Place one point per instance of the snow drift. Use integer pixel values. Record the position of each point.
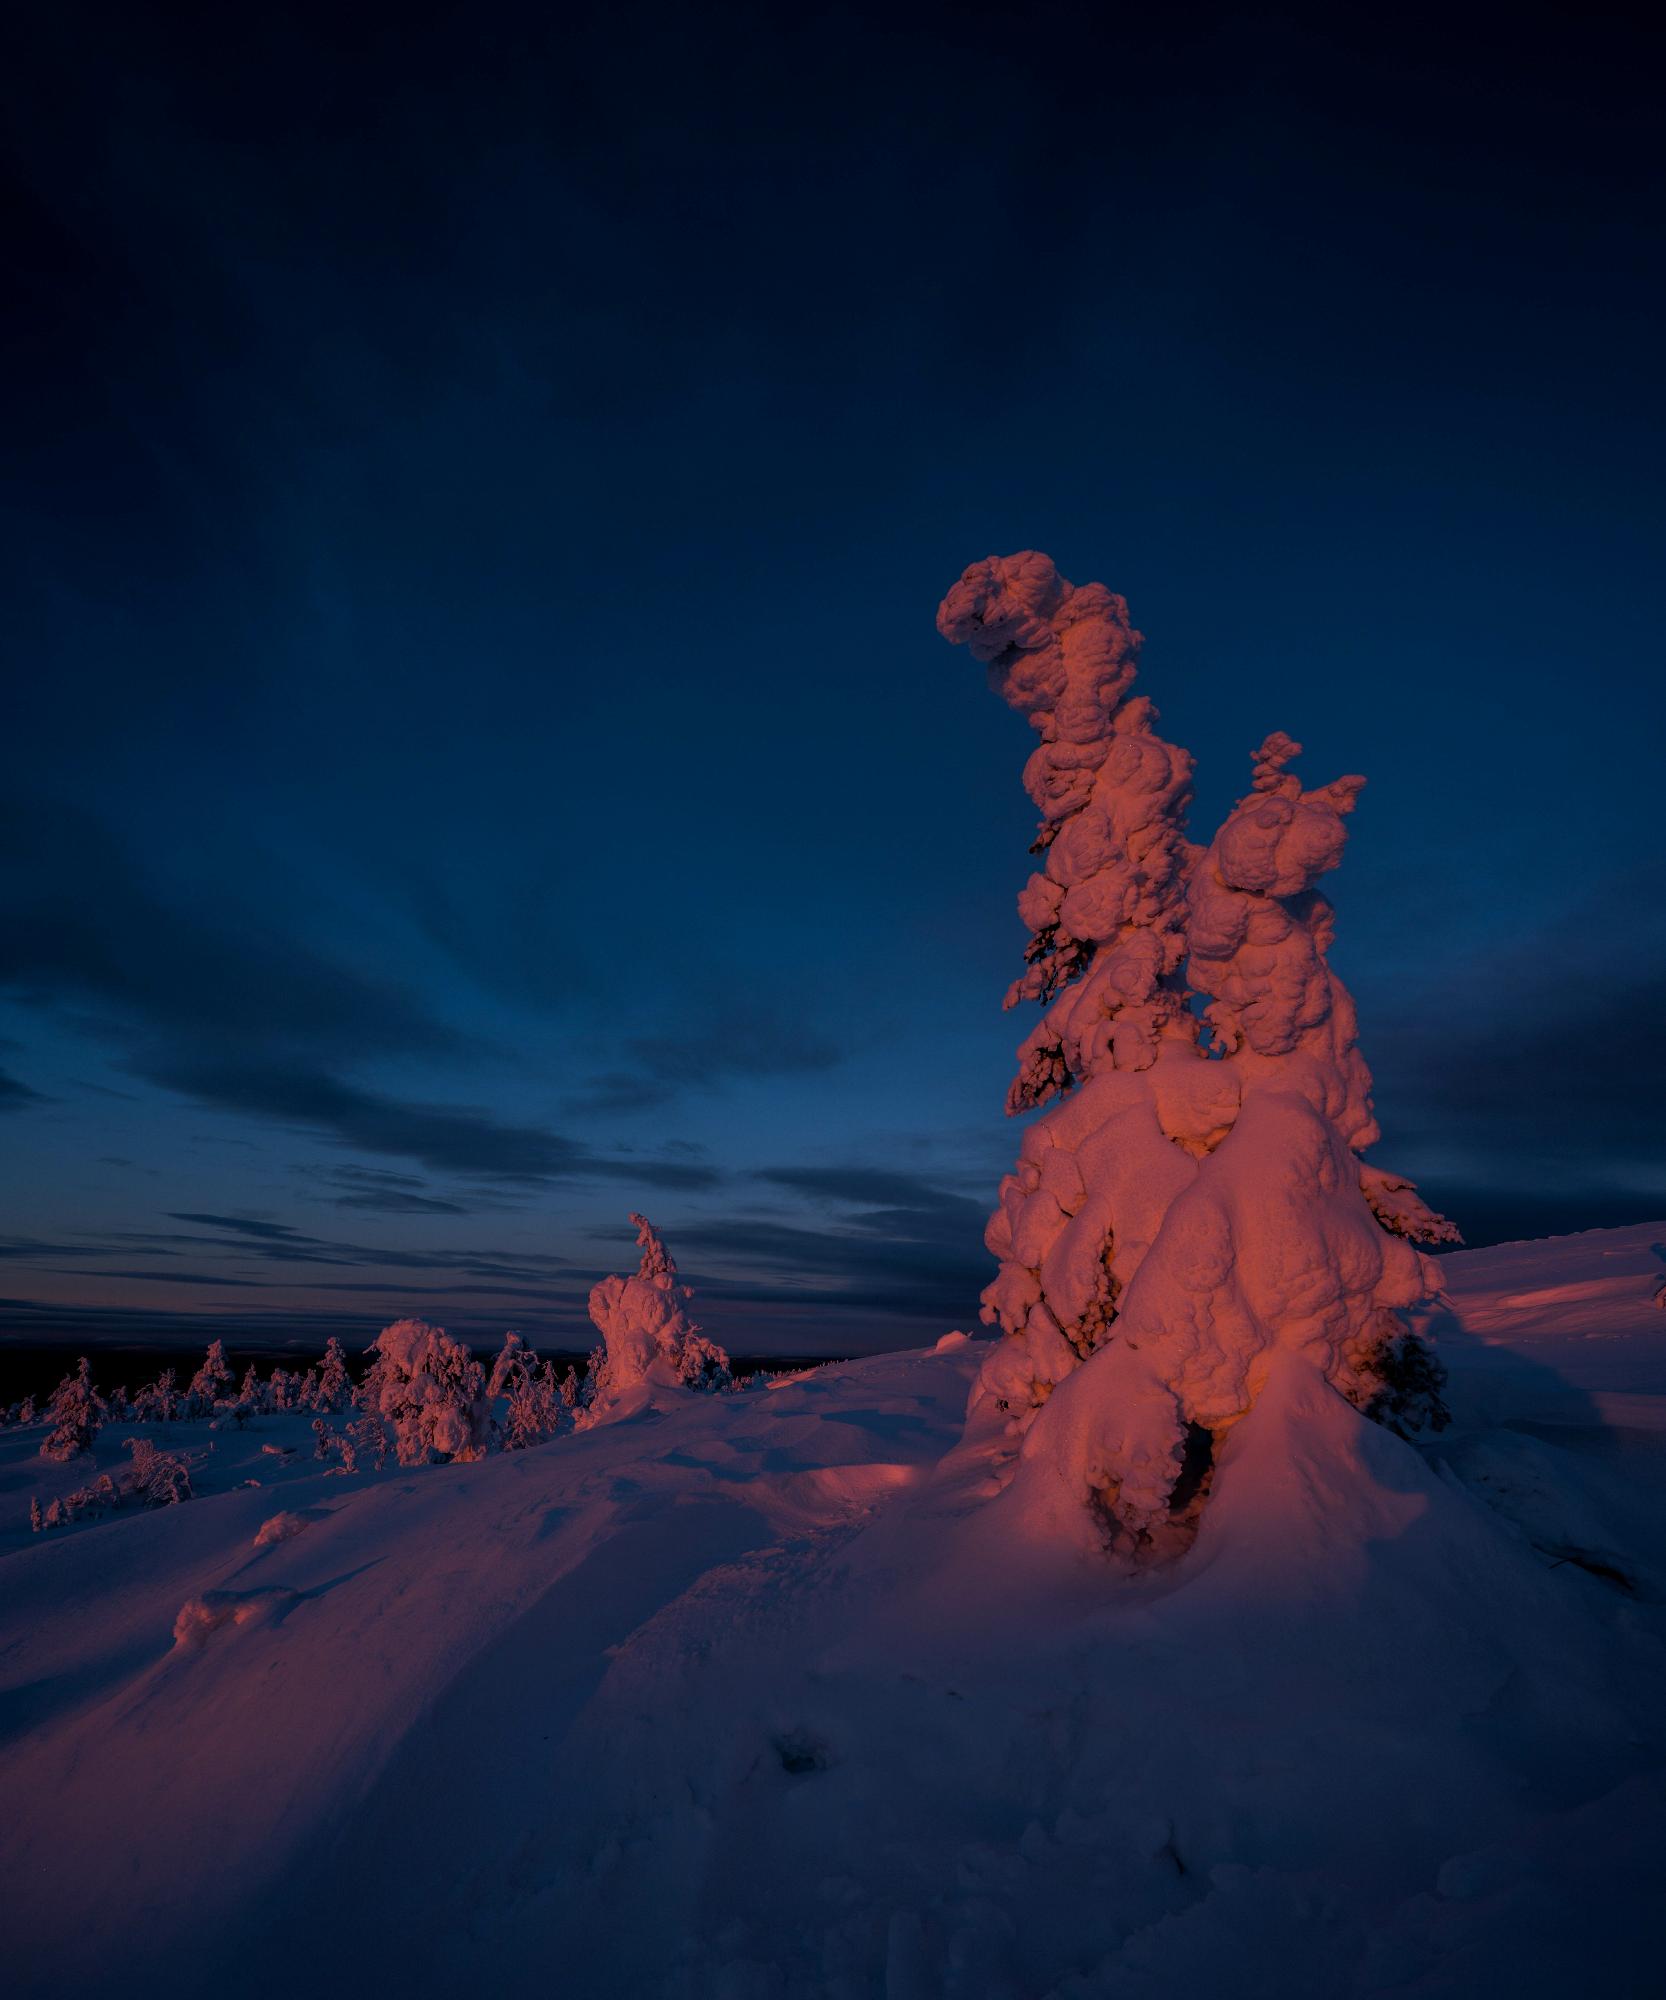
(755, 1694)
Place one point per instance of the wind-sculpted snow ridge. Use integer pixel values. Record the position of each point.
(1193, 1207)
(647, 1334)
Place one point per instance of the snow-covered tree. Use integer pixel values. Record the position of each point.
(513, 1365)
(1107, 911)
(1189, 1207)
(157, 1402)
(364, 1439)
(212, 1381)
(534, 1408)
(646, 1332)
(431, 1390)
(334, 1390)
(73, 1415)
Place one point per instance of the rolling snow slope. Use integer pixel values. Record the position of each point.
(754, 1695)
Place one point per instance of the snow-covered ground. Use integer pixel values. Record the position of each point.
(759, 1695)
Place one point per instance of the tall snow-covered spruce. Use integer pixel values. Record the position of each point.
(1191, 1206)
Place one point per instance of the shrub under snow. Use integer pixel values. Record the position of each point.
(156, 1478)
(1188, 1207)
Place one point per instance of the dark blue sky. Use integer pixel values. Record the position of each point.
(478, 759)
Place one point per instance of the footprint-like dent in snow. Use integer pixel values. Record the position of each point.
(802, 1751)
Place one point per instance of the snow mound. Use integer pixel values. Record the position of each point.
(199, 1618)
(280, 1528)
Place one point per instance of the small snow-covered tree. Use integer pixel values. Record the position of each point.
(531, 1395)
(73, 1415)
(334, 1390)
(431, 1390)
(365, 1438)
(157, 1402)
(212, 1381)
(647, 1334)
(513, 1365)
(1187, 1208)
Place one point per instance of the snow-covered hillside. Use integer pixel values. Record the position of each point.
(756, 1695)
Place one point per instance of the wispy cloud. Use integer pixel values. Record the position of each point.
(739, 1043)
(377, 1191)
(1529, 1088)
(15, 1095)
(216, 1007)
(872, 1239)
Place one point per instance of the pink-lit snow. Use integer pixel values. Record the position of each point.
(751, 1694)
(1190, 1218)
